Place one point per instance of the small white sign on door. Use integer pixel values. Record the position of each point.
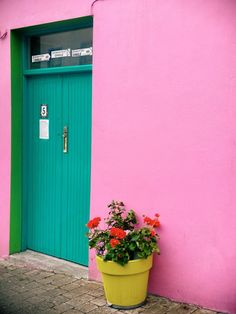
(60, 53)
(42, 57)
(44, 129)
(82, 52)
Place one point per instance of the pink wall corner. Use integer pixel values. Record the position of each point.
(5, 144)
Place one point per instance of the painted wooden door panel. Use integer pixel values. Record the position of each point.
(77, 117)
(58, 183)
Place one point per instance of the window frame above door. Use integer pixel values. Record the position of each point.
(53, 28)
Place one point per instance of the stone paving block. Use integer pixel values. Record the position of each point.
(70, 295)
(21, 307)
(11, 267)
(134, 311)
(154, 310)
(99, 301)
(45, 305)
(49, 287)
(162, 305)
(24, 270)
(38, 311)
(76, 302)
(73, 312)
(148, 304)
(94, 285)
(50, 311)
(38, 291)
(16, 271)
(20, 289)
(8, 292)
(86, 297)
(62, 282)
(72, 286)
(54, 292)
(96, 293)
(33, 309)
(22, 281)
(6, 275)
(83, 289)
(60, 299)
(86, 307)
(45, 280)
(9, 309)
(32, 285)
(18, 300)
(203, 311)
(35, 299)
(182, 309)
(75, 293)
(104, 310)
(63, 307)
(28, 294)
(60, 277)
(43, 275)
(19, 280)
(32, 273)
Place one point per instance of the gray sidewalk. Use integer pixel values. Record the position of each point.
(35, 283)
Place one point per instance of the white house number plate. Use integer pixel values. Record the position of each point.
(44, 111)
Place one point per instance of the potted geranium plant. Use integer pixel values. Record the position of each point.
(124, 252)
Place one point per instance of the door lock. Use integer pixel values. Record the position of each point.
(65, 139)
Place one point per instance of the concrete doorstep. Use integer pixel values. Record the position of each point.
(35, 283)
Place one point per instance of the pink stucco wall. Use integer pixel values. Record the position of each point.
(164, 131)
(5, 142)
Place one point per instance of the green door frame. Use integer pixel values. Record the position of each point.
(17, 100)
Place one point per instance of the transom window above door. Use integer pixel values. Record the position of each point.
(66, 48)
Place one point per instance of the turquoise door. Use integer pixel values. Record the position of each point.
(57, 158)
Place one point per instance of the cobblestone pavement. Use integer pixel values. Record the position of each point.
(28, 288)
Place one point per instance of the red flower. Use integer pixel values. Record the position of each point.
(157, 215)
(152, 222)
(153, 233)
(148, 221)
(114, 242)
(117, 233)
(156, 223)
(93, 223)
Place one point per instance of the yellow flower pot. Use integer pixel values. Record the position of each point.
(125, 286)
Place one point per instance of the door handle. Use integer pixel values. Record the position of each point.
(65, 139)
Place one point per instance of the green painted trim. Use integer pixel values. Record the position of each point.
(67, 69)
(58, 26)
(16, 142)
(17, 226)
